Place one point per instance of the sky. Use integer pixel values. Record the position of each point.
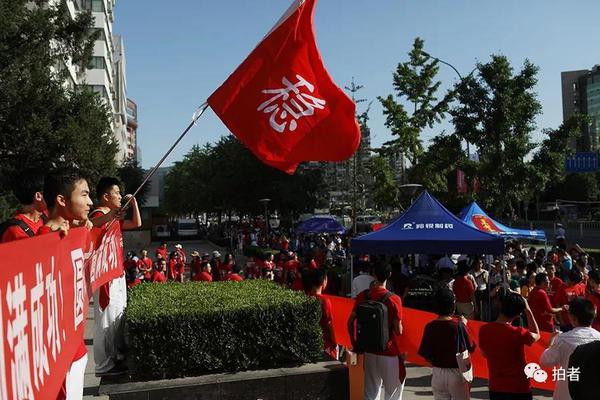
(177, 55)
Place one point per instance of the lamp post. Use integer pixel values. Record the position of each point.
(265, 202)
(412, 189)
(426, 54)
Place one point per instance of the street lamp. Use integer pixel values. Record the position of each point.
(426, 54)
(411, 189)
(265, 202)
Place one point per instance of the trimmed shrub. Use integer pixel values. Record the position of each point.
(259, 252)
(175, 330)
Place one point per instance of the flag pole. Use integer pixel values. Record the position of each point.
(199, 111)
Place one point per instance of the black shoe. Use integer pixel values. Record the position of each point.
(117, 370)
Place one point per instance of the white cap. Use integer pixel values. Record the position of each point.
(178, 246)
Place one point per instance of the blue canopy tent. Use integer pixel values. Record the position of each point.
(323, 224)
(427, 227)
(474, 216)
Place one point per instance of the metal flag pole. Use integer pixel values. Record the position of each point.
(195, 118)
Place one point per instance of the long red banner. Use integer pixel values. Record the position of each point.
(414, 322)
(45, 286)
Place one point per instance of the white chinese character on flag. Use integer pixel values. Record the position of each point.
(78, 261)
(16, 336)
(289, 108)
(52, 333)
(40, 353)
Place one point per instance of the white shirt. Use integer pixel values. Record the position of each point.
(361, 283)
(445, 262)
(561, 350)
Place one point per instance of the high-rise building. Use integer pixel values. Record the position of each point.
(132, 147)
(581, 94)
(106, 73)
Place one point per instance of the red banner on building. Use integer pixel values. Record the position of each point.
(45, 286)
(461, 184)
(414, 322)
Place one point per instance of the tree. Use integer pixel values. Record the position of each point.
(132, 175)
(385, 192)
(414, 83)
(496, 112)
(44, 123)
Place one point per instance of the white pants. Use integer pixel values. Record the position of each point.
(382, 370)
(108, 333)
(74, 381)
(447, 384)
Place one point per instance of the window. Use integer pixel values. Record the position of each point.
(93, 5)
(97, 63)
(99, 89)
(100, 33)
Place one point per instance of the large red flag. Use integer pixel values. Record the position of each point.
(281, 102)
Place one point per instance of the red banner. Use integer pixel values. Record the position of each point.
(461, 184)
(45, 286)
(414, 322)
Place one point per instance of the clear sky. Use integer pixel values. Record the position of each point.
(179, 52)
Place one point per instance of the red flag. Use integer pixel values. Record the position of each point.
(461, 185)
(281, 102)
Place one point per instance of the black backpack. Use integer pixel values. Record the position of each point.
(372, 326)
(15, 222)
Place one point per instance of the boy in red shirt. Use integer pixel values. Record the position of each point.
(318, 284)
(205, 275)
(145, 265)
(385, 368)
(162, 250)
(566, 293)
(159, 275)
(68, 198)
(234, 275)
(30, 216)
(555, 282)
(540, 304)
(464, 290)
(503, 345)
(111, 298)
(593, 295)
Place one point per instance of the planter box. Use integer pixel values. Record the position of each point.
(327, 380)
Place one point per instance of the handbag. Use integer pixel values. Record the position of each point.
(463, 358)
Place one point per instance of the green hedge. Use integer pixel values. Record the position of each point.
(175, 330)
(259, 252)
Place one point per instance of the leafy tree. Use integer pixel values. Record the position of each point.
(43, 123)
(496, 112)
(414, 82)
(385, 191)
(132, 175)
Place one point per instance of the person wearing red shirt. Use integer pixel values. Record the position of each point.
(290, 270)
(318, 284)
(555, 282)
(162, 250)
(145, 265)
(593, 295)
(268, 267)
(385, 368)
(438, 347)
(68, 198)
(285, 243)
(176, 267)
(205, 275)
(464, 290)
(215, 265)
(503, 345)
(30, 217)
(195, 264)
(234, 275)
(159, 275)
(312, 265)
(540, 304)
(111, 298)
(575, 288)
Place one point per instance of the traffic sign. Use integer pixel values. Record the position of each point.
(585, 161)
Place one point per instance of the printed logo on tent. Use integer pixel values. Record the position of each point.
(484, 223)
(414, 225)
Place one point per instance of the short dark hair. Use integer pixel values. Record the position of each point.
(317, 277)
(382, 271)
(236, 268)
(540, 278)
(104, 185)
(575, 275)
(443, 301)
(25, 187)
(60, 183)
(512, 304)
(583, 311)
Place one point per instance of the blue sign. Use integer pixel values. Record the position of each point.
(582, 162)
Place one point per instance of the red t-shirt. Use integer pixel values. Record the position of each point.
(595, 299)
(326, 320)
(463, 289)
(394, 305)
(539, 301)
(233, 277)
(16, 233)
(555, 284)
(159, 276)
(438, 344)
(203, 277)
(567, 293)
(145, 266)
(291, 265)
(504, 348)
(162, 252)
(195, 267)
